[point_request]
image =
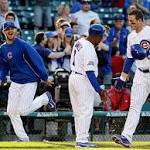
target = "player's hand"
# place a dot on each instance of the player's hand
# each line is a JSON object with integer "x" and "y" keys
{"x": 104, "y": 96}
{"x": 119, "y": 84}
{"x": 48, "y": 82}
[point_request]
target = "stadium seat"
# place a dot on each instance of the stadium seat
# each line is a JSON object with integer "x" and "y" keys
{"x": 146, "y": 106}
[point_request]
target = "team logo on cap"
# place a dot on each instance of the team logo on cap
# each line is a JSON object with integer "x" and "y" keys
{"x": 145, "y": 44}
{"x": 9, "y": 55}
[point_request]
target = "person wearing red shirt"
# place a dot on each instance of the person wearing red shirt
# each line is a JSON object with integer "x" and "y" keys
{"x": 117, "y": 62}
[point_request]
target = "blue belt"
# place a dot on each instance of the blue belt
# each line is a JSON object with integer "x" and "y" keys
{"x": 144, "y": 71}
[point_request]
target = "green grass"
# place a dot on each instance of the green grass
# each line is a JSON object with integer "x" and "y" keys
{"x": 67, "y": 146}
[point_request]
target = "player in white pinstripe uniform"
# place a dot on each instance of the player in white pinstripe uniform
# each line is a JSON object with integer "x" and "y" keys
{"x": 138, "y": 49}
{"x": 83, "y": 84}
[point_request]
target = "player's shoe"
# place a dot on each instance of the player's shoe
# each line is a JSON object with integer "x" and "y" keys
{"x": 84, "y": 145}
{"x": 51, "y": 104}
{"x": 19, "y": 140}
{"x": 122, "y": 140}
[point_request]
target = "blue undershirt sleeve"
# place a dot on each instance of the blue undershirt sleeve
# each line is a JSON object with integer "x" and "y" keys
{"x": 91, "y": 76}
{"x": 127, "y": 65}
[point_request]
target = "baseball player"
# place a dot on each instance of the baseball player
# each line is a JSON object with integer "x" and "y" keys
{"x": 138, "y": 49}
{"x": 83, "y": 83}
{"x": 26, "y": 70}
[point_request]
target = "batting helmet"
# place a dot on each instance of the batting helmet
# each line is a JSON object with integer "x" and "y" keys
{"x": 138, "y": 52}
{"x": 96, "y": 29}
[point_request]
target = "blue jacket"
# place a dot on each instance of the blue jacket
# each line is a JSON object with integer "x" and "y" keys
{"x": 123, "y": 38}
{"x": 105, "y": 68}
{"x": 43, "y": 52}
{"x": 23, "y": 62}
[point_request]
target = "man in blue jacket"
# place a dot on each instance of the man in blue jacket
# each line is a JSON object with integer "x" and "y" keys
{"x": 118, "y": 34}
{"x": 26, "y": 70}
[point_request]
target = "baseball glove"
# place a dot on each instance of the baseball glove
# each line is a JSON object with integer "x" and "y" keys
{"x": 104, "y": 96}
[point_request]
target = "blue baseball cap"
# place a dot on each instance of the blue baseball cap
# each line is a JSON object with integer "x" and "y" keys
{"x": 8, "y": 24}
{"x": 119, "y": 17}
{"x": 96, "y": 29}
{"x": 68, "y": 32}
{"x": 51, "y": 34}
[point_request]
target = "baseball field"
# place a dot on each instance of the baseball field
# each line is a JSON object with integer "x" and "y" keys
{"x": 68, "y": 146}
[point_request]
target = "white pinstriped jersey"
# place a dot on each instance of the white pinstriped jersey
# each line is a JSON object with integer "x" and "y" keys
{"x": 84, "y": 57}
{"x": 142, "y": 38}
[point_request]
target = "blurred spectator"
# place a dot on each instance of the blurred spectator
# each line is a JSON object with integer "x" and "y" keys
{"x": 45, "y": 53}
{"x": 61, "y": 24}
{"x": 53, "y": 44}
{"x": 76, "y": 6}
{"x": 104, "y": 56}
{"x": 84, "y": 17}
{"x": 118, "y": 34}
{"x": 63, "y": 12}
{"x": 104, "y": 66}
{"x": 68, "y": 44}
{"x": 117, "y": 62}
{"x": 42, "y": 15}
{"x": 143, "y": 5}
{"x": 52, "y": 39}
{"x": 4, "y": 10}
{"x": 11, "y": 16}
{"x": 74, "y": 27}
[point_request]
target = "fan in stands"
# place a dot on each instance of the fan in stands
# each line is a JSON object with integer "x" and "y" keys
{"x": 117, "y": 100}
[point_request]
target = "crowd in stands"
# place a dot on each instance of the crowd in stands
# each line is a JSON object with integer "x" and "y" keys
{"x": 56, "y": 25}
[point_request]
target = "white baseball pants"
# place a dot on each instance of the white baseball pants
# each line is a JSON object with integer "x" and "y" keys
{"x": 139, "y": 93}
{"x": 20, "y": 103}
{"x": 82, "y": 100}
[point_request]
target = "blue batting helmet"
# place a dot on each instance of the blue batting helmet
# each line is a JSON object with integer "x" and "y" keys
{"x": 138, "y": 52}
{"x": 96, "y": 29}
